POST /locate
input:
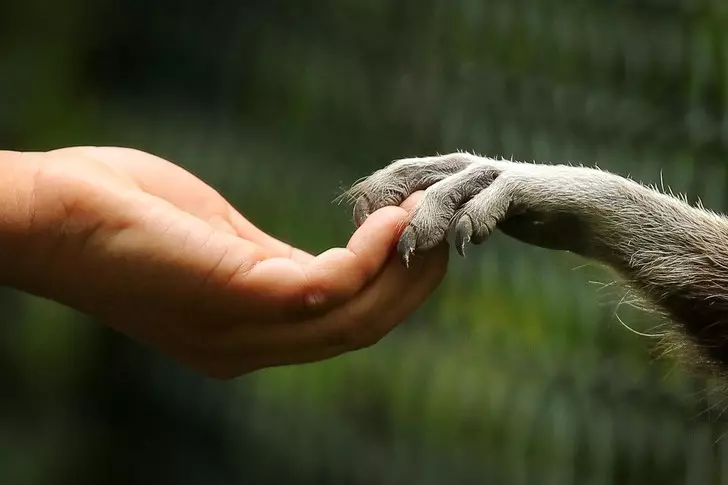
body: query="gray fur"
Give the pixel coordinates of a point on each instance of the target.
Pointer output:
(674, 254)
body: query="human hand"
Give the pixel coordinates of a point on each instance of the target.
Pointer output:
(157, 254)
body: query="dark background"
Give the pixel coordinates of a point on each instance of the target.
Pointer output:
(516, 372)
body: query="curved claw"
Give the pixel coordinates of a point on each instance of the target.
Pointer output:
(361, 210)
(463, 233)
(407, 244)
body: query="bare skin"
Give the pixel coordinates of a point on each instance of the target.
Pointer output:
(674, 254)
(155, 253)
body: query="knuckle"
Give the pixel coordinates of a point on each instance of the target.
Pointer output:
(431, 202)
(314, 300)
(433, 217)
(441, 195)
(61, 196)
(507, 183)
(487, 175)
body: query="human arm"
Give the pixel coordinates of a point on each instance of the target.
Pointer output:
(150, 250)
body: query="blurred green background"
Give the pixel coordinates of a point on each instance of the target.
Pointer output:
(516, 372)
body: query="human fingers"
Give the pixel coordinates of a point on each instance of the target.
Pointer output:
(246, 229)
(244, 226)
(337, 274)
(386, 302)
(366, 320)
(411, 201)
(286, 290)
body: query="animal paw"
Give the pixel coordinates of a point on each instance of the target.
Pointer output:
(464, 195)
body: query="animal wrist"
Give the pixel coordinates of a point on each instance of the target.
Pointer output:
(635, 219)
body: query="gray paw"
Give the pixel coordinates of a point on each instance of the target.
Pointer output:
(455, 200)
(394, 183)
(478, 217)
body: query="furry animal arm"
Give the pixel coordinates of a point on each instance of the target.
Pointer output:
(676, 255)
